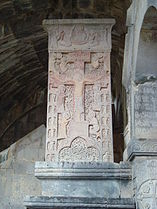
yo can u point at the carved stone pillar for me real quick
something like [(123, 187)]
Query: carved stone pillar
[(78, 171), (141, 89), (79, 118)]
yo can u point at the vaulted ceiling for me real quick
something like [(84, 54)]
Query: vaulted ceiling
[(23, 59)]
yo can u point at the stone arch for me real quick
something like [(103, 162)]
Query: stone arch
[(134, 22), (146, 54)]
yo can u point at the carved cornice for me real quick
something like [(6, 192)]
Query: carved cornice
[(50, 170), (142, 147), (80, 34)]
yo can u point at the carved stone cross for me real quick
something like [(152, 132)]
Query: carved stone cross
[(79, 58)]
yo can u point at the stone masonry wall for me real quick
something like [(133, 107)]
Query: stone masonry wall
[(17, 169)]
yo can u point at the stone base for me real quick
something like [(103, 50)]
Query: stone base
[(109, 180), (46, 202), (83, 185)]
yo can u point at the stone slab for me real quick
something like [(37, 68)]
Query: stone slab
[(42, 202), (82, 170)]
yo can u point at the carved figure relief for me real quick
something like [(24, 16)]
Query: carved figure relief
[(79, 103), (80, 35), (94, 128)]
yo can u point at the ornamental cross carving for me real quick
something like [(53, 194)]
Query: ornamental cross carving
[(79, 58)]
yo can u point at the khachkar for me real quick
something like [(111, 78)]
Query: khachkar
[(78, 171), (79, 119)]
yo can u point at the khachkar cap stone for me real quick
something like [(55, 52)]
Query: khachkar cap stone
[(79, 119), (79, 34)]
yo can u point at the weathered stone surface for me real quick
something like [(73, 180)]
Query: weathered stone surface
[(83, 185), (78, 203), (17, 169), (145, 182), (79, 121), (83, 170), (146, 110)]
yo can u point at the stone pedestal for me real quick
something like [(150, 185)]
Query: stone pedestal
[(79, 171), (84, 179), (83, 185), (143, 154)]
